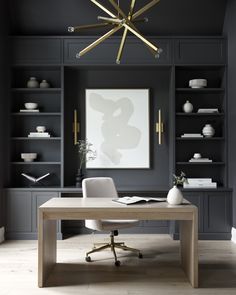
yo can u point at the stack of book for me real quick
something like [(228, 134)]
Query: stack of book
[(192, 135), (29, 111), (200, 160), (208, 111), (39, 134), (199, 183)]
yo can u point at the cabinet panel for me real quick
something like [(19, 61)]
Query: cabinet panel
[(135, 52), (201, 51), (197, 200), (18, 211), (38, 198), (217, 212), (36, 50)]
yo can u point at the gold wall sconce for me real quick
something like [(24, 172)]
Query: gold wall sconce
[(76, 127), (159, 127)]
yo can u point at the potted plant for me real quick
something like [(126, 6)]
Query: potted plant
[(175, 196), (86, 153)]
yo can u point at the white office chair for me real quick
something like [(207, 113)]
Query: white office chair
[(104, 187)]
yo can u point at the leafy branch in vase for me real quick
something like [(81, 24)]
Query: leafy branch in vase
[(86, 153)]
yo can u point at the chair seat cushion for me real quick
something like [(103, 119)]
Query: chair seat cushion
[(117, 224)]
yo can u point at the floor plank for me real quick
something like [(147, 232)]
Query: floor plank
[(159, 272)]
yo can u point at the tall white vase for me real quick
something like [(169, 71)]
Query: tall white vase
[(175, 196)]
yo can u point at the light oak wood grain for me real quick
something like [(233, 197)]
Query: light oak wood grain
[(104, 208)]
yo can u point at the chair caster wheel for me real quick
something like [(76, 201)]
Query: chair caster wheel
[(88, 259), (117, 263), (140, 255)]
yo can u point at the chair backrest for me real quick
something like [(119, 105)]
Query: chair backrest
[(99, 187)]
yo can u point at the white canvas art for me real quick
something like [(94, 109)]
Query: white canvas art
[(117, 124)]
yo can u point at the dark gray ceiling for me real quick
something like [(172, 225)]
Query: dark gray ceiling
[(169, 17)]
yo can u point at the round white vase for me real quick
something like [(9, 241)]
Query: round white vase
[(208, 130), (32, 83), (175, 196), (188, 107)]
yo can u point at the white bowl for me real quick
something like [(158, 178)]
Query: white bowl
[(28, 157), (40, 128), (31, 105), (198, 83), (197, 156)]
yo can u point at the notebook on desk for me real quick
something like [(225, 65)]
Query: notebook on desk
[(136, 199)]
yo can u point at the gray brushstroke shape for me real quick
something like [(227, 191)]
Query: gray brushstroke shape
[(116, 131)]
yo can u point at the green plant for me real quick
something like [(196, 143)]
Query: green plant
[(86, 153), (179, 180)]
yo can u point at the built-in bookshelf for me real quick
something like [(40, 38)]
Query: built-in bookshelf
[(48, 149), (214, 148)]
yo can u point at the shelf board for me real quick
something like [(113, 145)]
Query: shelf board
[(36, 138), (181, 114), (200, 163), (36, 163), (200, 90), (36, 114), (200, 138), (43, 90)]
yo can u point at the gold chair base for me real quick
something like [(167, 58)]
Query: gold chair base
[(112, 245)]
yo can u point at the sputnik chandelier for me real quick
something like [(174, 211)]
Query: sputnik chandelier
[(118, 21)]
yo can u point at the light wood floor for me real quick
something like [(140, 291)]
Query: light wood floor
[(157, 273)]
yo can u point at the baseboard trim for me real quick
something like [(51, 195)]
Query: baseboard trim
[(2, 235), (233, 233)]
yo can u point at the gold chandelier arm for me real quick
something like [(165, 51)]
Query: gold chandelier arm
[(99, 40), (122, 44), (140, 20), (103, 8), (131, 9), (117, 7), (92, 26), (145, 8), (141, 37), (110, 20), (124, 36)]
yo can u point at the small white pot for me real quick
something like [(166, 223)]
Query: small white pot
[(188, 107), (175, 196)]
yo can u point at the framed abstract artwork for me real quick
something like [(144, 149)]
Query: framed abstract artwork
[(117, 124)]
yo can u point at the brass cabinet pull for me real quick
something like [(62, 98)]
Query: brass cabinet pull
[(75, 127), (159, 128)]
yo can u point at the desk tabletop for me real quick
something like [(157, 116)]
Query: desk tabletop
[(97, 204)]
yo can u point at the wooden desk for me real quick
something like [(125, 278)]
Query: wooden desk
[(104, 208)]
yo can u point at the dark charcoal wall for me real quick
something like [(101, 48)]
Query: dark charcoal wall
[(158, 81), (230, 31), (3, 91)]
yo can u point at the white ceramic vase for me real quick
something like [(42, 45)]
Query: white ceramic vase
[(188, 107), (175, 196), (44, 84), (32, 83), (208, 130)]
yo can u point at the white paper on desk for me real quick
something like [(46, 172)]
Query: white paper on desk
[(136, 199)]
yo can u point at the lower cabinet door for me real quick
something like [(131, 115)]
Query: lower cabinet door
[(217, 212), (38, 198), (18, 212), (197, 200)]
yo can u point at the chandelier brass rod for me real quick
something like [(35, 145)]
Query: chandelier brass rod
[(145, 8), (140, 37), (122, 44), (152, 51), (110, 20), (84, 27), (117, 7), (103, 8), (124, 36), (99, 40), (131, 9)]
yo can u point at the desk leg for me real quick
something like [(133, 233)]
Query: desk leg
[(47, 248), (189, 249)]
